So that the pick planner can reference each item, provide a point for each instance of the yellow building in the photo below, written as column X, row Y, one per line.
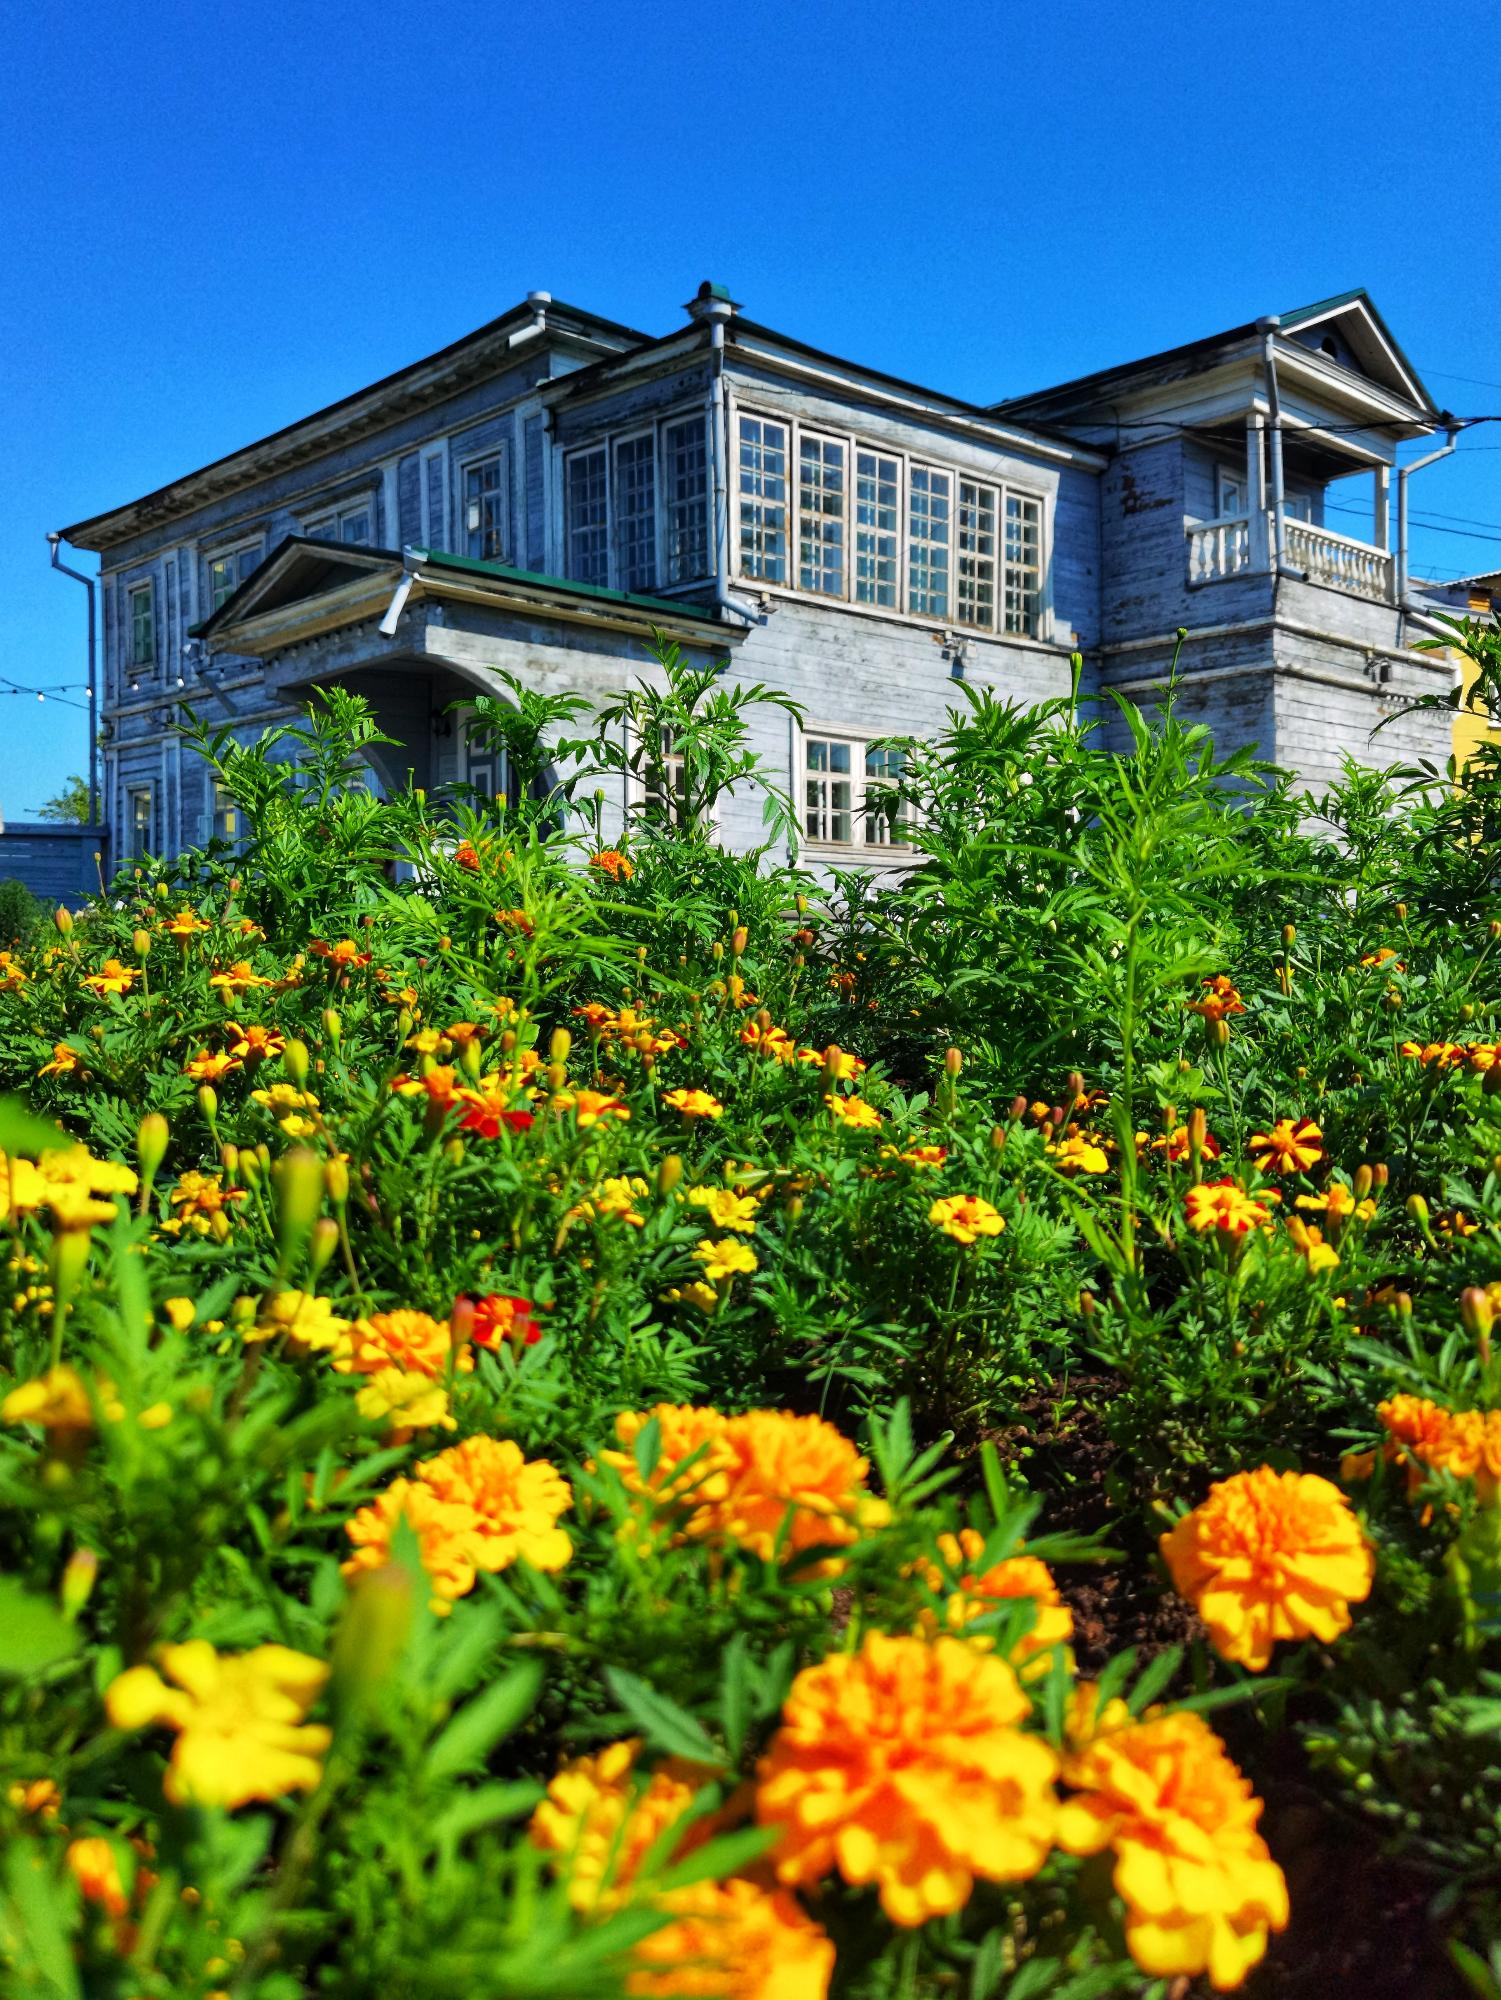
column 1468, row 597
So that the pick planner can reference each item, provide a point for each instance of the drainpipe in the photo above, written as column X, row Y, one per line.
column 1404, row 473
column 1268, row 329
column 78, row 576
column 713, row 305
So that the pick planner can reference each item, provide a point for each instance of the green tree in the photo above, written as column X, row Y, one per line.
column 70, row 804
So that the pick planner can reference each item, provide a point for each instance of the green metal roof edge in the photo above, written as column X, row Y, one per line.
column 1300, row 314
column 636, row 600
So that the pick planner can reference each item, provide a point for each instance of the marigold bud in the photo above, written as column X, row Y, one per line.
column 1381, row 1174
column 325, row 1242
column 998, row 1138
column 560, row 1045
column 1289, row 935
column 1218, row 1033
column 77, row 1586
column 669, row 1172
column 716, row 951
column 152, row 1135
column 1493, row 929
column 1467, row 1011
column 738, row 941
column 1018, row 1109
column 1404, row 1305
column 294, row 1058
column 953, row 1061
column 508, row 1042
column 64, row 920
column 1363, row 1181
column 833, row 1058
column 218, row 1226
column 453, row 1152
column 405, row 1022
column 208, row 1101
column 1417, row 1211
column 1088, row 1304
column 1477, row 1312
column 333, row 1025
column 299, row 1196
column 140, row 943
column 472, row 1060
column 336, row 1181
column 372, row 1636
column 557, row 1076
column 1402, row 913
column 229, row 1158
column 794, row 1207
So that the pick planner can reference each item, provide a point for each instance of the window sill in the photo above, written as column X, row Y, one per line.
column 753, row 587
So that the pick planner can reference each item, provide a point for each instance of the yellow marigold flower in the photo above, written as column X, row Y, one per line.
column 1291, row 1147
column 281, row 1098
column 966, row 1217
column 241, row 977
column 1270, row 1556
column 837, row 1064
column 407, row 1399
column 733, row 1940
column 1338, row 1203
column 692, row 1458
column 792, row 1484
column 1222, row 1206
column 310, row 1325
column 64, row 1061
column 903, row 1765
column 184, row 925
column 407, row 1340
column 603, row 1817
column 615, row 1199
column 695, row 1293
column 1079, row 1153
column 239, row 1718
column 727, row 1208
column 181, row 1313
column 773, row 1042
column 114, row 977
column 69, row 1181
column 916, row 1156
column 1435, row 1055
column 477, row 1506
column 198, row 1198
column 207, row 1067
column 855, row 1113
column 1315, row 1252
column 254, row 1042
column 1383, row 956
column 57, row 1401
column 723, row 1258
column 978, row 1591
column 13, row 973
column 693, row 1103
column 1201, row 1890
column 1218, row 1000
column 589, row 1107
column 94, row 1866
column 40, row 1796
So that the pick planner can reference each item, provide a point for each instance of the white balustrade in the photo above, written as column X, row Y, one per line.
column 1338, row 560
column 1219, row 548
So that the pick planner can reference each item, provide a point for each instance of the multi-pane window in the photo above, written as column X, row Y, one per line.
column 140, row 823
column 1023, row 590
column 636, row 513
column 929, row 527
column 829, row 792
column 820, row 514
column 663, row 780
column 347, row 524
column 224, row 814
column 143, row 625
column 227, row 572
column 588, row 517
column 485, row 509
column 885, row 815
column 877, row 524
column 686, row 473
column 975, row 534
column 763, row 499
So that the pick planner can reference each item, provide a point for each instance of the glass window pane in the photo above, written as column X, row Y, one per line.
column 636, row 513
column 484, row 510
column 877, row 496
column 588, row 525
column 1023, row 586
column 686, row 468
column 820, row 515
column 928, row 533
column 763, row 499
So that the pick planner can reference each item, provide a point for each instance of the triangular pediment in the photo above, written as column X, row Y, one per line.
column 300, row 568
column 1350, row 332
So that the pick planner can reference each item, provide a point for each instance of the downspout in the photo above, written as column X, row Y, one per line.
column 1269, row 328
column 713, row 306
column 1404, row 473
column 78, row 576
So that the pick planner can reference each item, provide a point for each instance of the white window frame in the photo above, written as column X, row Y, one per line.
column 1227, row 479
column 997, row 488
column 744, row 501
column 860, row 846
column 637, row 793
column 475, row 461
column 599, row 447
column 917, row 470
column 133, row 794
column 984, row 491
column 234, row 554
column 689, row 420
column 820, row 519
column 138, row 660
column 616, row 567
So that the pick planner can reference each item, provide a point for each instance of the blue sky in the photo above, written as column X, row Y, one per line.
column 217, row 220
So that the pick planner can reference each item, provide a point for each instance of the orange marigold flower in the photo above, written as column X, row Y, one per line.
column 206, row 1067
column 254, row 1043
column 733, row 1940
column 773, row 1042
column 412, row 1341
column 238, row 1718
column 693, row 1103
column 1464, row 1443
column 1384, row 955
column 467, row 856
column 854, row 1113
column 345, row 953
column 1270, row 1556
column 184, row 925
column 794, row 1484
column 688, row 1461
column 1291, row 1147
column 966, row 1217
column 114, row 977
column 1200, row 1888
column 516, row 920
column 487, row 1109
column 1218, row 999
column 64, row 1061
column 1435, row 1055
column 603, row 1817
column 589, row 1107
column 1174, row 1145
column 1223, row 1206
column 903, row 1765
column 610, row 861
column 499, row 1318
column 973, row 1593
column 94, row 1866
column 241, row 977
column 916, row 1156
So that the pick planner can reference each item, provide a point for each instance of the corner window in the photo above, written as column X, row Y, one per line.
column 227, row 572
column 929, row 525
column 345, row 524
column 143, row 626
column 877, row 524
column 763, row 499
column 588, row 517
column 138, row 822
column 820, row 515
column 485, row 509
column 1023, row 594
column 636, row 513
column 686, row 472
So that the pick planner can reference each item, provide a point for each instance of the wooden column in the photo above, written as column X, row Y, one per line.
column 1381, row 508
column 1256, row 501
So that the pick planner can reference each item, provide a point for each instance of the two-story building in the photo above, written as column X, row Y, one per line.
column 540, row 496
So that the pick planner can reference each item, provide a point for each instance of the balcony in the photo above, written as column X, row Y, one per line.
column 1244, row 542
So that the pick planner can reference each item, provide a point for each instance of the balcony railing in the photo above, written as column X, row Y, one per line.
column 1219, row 548
column 1339, row 561
column 1227, row 548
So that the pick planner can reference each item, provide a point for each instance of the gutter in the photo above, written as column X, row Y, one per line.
column 92, row 692
column 1268, row 329
column 715, row 310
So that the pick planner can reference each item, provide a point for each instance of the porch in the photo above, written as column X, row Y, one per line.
column 1245, row 543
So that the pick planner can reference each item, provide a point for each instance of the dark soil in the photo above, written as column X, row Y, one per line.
column 1360, row 1928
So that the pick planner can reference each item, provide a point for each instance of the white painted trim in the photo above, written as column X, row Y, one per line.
column 858, row 736
column 460, row 465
